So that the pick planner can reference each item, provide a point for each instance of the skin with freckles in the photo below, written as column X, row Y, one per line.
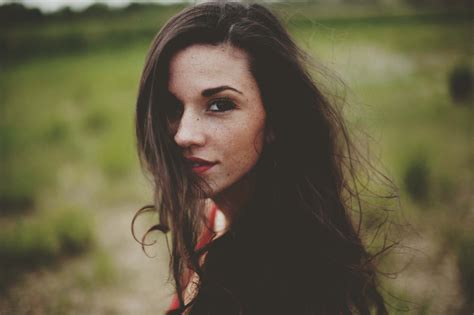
column 220, row 118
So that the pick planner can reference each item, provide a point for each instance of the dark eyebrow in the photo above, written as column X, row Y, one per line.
column 212, row 91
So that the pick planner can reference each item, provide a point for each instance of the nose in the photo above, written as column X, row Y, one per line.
column 190, row 130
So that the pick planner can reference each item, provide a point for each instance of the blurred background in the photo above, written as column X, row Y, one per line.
column 71, row 182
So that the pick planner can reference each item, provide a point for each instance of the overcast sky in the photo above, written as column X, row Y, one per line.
column 53, row 5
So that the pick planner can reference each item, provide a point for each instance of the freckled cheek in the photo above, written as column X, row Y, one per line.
column 240, row 145
column 238, row 155
column 245, row 154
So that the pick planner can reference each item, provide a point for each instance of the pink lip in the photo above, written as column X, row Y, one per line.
column 199, row 165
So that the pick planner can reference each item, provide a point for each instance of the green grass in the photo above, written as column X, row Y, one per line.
column 73, row 109
column 31, row 242
column 66, row 121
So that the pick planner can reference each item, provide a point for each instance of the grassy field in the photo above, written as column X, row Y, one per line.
column 71, row 180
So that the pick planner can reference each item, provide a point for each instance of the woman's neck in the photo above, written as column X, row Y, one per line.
column 233, row 199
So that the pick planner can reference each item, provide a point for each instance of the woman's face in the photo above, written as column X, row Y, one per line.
column 217, row 117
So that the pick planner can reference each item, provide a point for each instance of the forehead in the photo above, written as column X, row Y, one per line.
column 200, row 66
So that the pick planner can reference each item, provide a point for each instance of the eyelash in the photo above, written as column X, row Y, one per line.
column 175, row 108
column 229, row 104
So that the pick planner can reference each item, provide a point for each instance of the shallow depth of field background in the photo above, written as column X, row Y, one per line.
column 71, row 182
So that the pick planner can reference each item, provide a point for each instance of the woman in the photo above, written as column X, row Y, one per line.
column 231, row 125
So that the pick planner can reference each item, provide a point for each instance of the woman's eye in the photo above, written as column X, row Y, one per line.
column 221, row 105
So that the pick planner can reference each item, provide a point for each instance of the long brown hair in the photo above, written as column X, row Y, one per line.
column 294, row 249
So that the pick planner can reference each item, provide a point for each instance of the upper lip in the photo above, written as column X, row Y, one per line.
column 198, row 160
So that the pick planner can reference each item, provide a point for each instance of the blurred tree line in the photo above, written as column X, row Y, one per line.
column 102, row 27
column 14, row 13
column 70, row 31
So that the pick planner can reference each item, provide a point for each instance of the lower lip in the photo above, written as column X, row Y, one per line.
column 202, row 168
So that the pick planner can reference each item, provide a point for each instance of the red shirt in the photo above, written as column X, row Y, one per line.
column 205, row 238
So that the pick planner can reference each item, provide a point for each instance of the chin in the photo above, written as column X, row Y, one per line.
column 211, row 189
column 216, row 190
column 213, row 192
